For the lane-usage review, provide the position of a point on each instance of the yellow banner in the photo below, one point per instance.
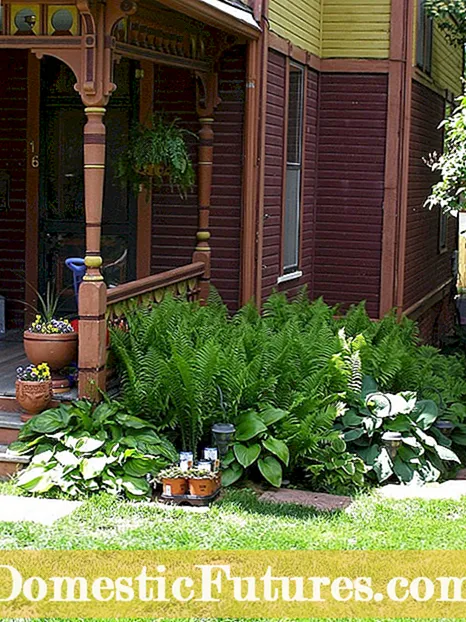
(242, 584)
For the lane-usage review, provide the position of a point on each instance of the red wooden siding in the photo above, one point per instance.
(175, 219)
(351, 163)
(426, 268)
(274, 139)
(13, 112)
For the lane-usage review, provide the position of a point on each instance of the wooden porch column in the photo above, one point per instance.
(207, 101)
(93, 292)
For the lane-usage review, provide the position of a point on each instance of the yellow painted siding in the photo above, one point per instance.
(447, 63)
(299, 21)
(356, 29)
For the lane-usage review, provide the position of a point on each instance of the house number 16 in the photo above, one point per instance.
(35, 158)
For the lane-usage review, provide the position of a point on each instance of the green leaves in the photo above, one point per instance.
(75, 462)
(278, 448)
(249, 426)
(271, 470)
(232, 474)
(246, 455)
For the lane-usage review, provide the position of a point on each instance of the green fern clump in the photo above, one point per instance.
(184, 367)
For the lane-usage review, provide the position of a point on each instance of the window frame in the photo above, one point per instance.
(424, 39)
(293, 272)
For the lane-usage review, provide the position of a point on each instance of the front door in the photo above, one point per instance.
(62, 218)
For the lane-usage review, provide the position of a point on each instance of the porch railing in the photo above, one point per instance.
(181, 282)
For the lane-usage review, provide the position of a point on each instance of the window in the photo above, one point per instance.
(424, 38)
(294, 166)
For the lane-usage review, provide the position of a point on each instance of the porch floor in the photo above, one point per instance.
(12, 356)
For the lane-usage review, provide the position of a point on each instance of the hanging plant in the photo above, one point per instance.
(158, 153)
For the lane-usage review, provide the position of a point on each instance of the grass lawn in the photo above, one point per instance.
(239, 521)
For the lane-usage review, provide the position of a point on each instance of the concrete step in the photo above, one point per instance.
(10, 464)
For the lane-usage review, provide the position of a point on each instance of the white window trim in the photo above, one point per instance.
(290, 276)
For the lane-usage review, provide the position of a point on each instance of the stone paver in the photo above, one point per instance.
(453, 489)
(44, 511)
(316, 500)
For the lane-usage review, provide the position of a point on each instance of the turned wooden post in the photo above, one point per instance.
(93, 292)
(207, 100)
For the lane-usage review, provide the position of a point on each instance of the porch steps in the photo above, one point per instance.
(9, 465)
(10, 425)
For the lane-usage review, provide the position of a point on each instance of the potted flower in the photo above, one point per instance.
(33, 388)
(203, 483)
(53, 341)
(174, 481)
(158, 154)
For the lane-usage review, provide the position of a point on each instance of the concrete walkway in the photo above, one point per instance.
(43, 511)
(453, 489)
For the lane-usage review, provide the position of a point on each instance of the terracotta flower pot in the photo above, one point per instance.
(57, 351)
(33, 397)
(203, 487)
(175, 486)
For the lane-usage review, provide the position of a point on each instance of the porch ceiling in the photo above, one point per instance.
(219, 14)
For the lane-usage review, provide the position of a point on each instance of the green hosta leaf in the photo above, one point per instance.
(425, 413)
(444, 453)
(228, 459)
(249, 426)
(91, 467)
(351, 420)
(426, 439)
(44, 457)
(67, 458)
(277, 447)
(136, 486)
(129, 421)
(271, 470)
(352, 435)
(246, 455)
(47, 422)
(21, 447)
(369, 385)
(36, 479)
(338, 445)
(369, 454)
(402, 423)
(87, 445)
(138, 467)
(404, 471)
(232, 474)
(271, 415)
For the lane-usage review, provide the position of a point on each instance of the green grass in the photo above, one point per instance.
(240, 521)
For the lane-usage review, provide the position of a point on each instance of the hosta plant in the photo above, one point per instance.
(255, 444)
(83, 448)
(424, 454)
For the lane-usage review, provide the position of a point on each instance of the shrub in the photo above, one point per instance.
(84, 448)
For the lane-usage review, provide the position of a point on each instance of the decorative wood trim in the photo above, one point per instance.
(32, 184)
(303, 170)
(407, 10)
(261, 175)
(248, 254)
(139, 53)
(429, 300)
(397, 157)
(153, 282)
(284, 163)
(144, 217)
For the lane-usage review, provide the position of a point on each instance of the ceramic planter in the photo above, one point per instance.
(33, 397)
(57, 351)
(174, 486)
(203, 487)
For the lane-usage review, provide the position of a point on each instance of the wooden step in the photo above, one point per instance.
(10, 464)
(10, 426)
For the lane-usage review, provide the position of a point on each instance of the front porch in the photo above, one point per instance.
(68, 107)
